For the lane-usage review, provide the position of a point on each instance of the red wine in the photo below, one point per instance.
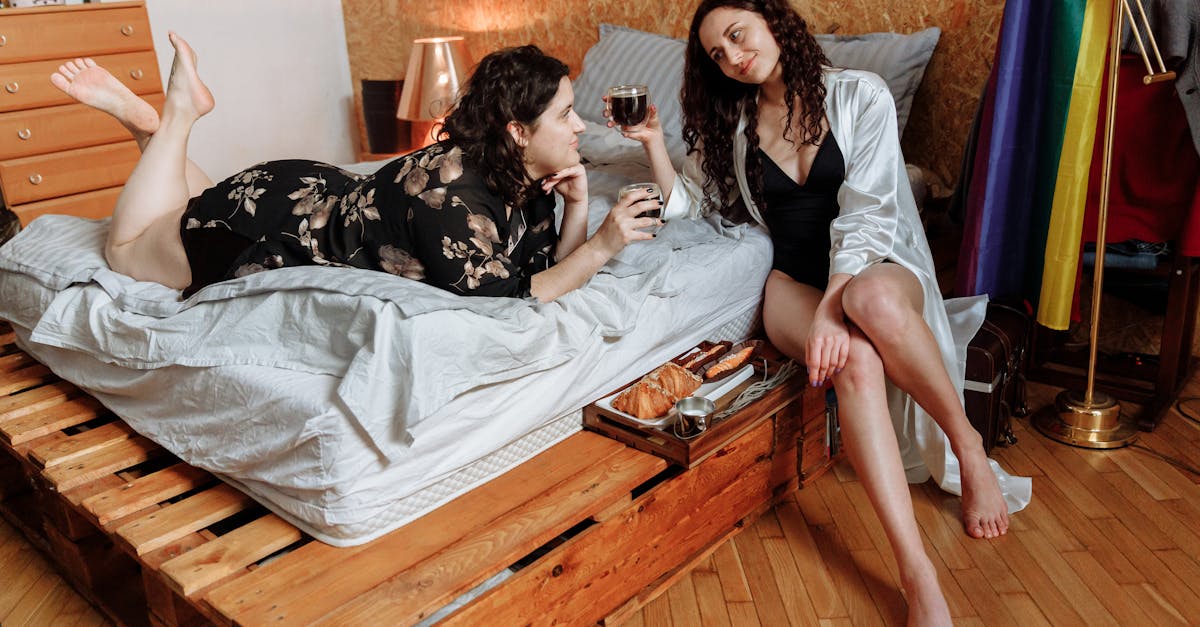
(629, 105)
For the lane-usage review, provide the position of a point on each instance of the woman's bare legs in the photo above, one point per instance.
(868, 437)
(144, 240)
(885, 301)
(94, 86)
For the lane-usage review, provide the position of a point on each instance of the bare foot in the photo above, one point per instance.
(984, 512)
(187, 95)
(94, 86)
(926, 603)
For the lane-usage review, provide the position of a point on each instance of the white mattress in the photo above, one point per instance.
(285, 435)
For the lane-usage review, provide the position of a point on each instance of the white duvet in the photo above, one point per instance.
(330, 393)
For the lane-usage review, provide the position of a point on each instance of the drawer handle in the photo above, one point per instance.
(3, 40)
(137, 74)
(12, 87)
(35, 179)
(24, 133)
(127, 30)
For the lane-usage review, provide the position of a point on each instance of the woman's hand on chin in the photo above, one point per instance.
(570, 183)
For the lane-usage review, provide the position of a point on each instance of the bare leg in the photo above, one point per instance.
(143, 241)
(94, 86)
(885, 301)
(869, 439)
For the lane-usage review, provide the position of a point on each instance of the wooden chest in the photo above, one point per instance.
(56, 155)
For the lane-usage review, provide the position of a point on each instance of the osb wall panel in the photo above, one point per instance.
(379, 35)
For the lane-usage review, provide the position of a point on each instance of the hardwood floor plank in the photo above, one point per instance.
(1064, 578)
(884, 589)
(1183, 566)
(850, 526)
(1159, 576)
(51, 607)
(657, 613)
(948, 541)
(1159, 609)
(985, 557)
(984, 598)
(1081, 526)
(1157, 528)
(1040, 586)
(813, 506)
(765, 591)
(1110, 593)
(743, 615)
(685, 609)
(859, 605)
(956, 598)
(733, 578)
(1024, 609)
(34, 596)
(827, 603)
(710, 599)
(870, 520)
(794, 592)
(1136, 463)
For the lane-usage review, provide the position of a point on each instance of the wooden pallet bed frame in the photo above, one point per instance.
(599, 528)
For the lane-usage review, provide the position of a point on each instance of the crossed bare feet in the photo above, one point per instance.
(95, 86)
(984, 512)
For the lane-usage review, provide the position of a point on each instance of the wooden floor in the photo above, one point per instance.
(1111, 538)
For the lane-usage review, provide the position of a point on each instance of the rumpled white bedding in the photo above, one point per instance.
(330, 393)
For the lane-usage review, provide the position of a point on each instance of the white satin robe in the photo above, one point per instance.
(878, 220)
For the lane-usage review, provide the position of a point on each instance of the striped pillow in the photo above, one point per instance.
(627, 56)
(899, 60)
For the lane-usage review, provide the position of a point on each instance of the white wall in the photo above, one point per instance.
(280, 74)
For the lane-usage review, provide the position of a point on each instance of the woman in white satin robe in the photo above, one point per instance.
(760, 103)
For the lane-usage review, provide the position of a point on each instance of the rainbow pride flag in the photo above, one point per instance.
(1029, 177)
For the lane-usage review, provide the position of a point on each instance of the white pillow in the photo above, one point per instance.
(899, 60)
(626, 56)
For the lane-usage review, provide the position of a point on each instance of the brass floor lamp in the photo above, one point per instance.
(1092, 419)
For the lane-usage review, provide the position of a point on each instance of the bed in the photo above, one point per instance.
(335, 429)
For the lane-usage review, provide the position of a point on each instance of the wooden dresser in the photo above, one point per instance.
(58, 156)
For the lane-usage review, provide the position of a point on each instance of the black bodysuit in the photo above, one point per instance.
(799, 215)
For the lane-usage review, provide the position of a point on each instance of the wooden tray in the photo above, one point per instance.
(689, 452)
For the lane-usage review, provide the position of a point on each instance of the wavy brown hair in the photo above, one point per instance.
(509, 85)
(712, 102)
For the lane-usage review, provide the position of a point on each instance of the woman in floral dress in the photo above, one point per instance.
(472, 214)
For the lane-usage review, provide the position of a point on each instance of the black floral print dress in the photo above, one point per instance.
(426, 216)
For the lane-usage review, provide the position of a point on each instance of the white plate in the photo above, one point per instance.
(712, 391)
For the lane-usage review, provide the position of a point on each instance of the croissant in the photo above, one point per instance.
(678, 381)
(644, 399)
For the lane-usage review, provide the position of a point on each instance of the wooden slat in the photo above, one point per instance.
(634, 549)
(35, 400)
(423, 587)
(9, 363)
(23, 378)
(177, 520)
(81, 444)
(108, 460)
(317, 574)
(145, 492)
(67, 414)
(229, 554)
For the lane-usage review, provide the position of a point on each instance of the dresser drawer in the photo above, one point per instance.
(63, 34)
(27, 85)
(97, 204)
(70, 172)
(40, 131)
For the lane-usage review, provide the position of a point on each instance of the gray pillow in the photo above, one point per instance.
(627, 56)
(899, 60)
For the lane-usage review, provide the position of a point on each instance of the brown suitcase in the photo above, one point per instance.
(994, 389)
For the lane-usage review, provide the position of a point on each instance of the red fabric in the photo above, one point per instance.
(1154, 185)
(1153, 190)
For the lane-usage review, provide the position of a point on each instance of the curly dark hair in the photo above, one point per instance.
(712, 102)
(509, 85)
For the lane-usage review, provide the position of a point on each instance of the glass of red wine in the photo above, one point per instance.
(656, 195)
(630, 104)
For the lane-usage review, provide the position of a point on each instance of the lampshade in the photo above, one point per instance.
(436, 69)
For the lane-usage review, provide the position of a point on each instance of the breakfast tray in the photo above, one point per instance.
(689, 452)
